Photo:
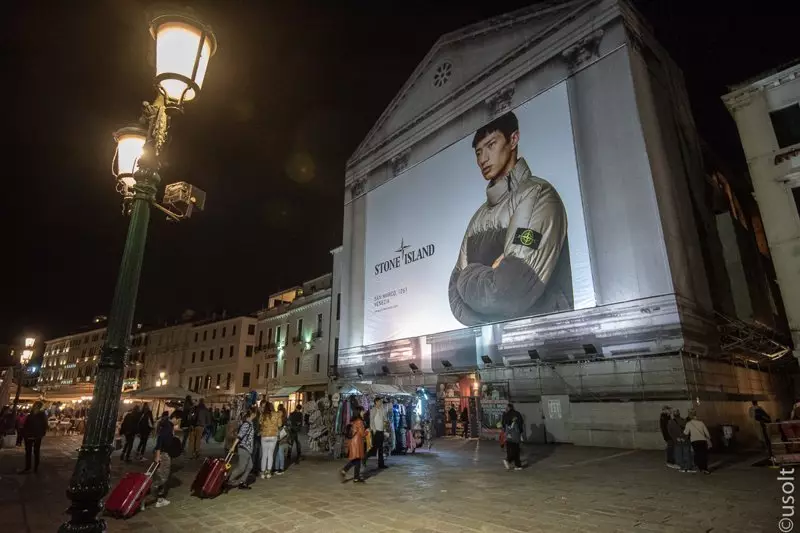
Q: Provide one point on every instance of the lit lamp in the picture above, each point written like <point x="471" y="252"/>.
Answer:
<point x="162" y="381"/>
<point x="183" y="47"/>
<point x="25" y="357"/>
<point x="130" y="145"/>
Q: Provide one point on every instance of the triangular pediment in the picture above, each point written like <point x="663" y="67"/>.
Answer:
<point x="459" y="57"/>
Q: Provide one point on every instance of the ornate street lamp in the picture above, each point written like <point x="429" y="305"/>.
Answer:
<point x="184" y="46"/>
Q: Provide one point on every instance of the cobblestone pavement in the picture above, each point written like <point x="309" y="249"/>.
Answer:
<point x="457" y="486"/>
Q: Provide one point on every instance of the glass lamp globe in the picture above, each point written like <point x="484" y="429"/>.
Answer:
<point x="184" y="46"/>
<point x="130" y="145"/>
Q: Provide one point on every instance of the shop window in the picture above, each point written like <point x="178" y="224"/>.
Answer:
<point x="786" y="125"/>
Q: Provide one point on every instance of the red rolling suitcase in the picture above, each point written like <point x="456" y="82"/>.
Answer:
<point x="128" y="495"/>
<point x="212" y="475"/>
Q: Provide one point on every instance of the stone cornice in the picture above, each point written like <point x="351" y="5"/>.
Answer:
<point x="742" y="95"/>
<point x="272" y="314"/>
<point x="542" y="47"/>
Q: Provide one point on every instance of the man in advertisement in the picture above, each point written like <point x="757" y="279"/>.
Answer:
<point x="514" y="259"/>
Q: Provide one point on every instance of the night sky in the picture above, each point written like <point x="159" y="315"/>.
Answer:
<point x="294" y="84"/>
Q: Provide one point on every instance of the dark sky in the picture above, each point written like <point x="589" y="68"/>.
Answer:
<point x="292" y="82"/>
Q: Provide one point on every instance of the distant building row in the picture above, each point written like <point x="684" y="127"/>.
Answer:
<point x="284" y="350"/>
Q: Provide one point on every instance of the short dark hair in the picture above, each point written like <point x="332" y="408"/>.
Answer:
<point x="505" y="124"/>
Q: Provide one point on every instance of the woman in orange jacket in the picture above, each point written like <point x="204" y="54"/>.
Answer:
<point x="356" y="446"/>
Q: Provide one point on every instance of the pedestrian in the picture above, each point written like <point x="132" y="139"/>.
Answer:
<point x="187" y="416"/>
<point x="144" y="427"/>
<point x="161" y="455"/>
<point x="513" y="426"/>
<point x="270" y="422"/>
<point x="244" y="464"/>
<point x="20" y="424"/>
<point x="295" y="426"/>
<point x="356" y="447"/>
<point x="257" y="452"/>
<point x="465" y="421"/>
<point x="760" y="417"/>
<point x="377" y="425"/>
<point x="284" y="441"/>
<point x="680" y="443"/>
<point x="201" y="419"/>
<point x="128" y="429"/>
<point x="663" y="422"/>
<point x="453" y="419"/>
<point x="700" y="439"/>
<point x="34" y="431"/>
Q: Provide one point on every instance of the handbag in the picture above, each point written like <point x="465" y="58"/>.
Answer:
<point x="282" y="433"/>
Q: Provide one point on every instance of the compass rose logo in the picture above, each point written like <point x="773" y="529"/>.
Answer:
<point x="403" y="247"/>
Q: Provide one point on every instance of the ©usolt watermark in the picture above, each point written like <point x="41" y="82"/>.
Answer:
<point x="786" y="479"/>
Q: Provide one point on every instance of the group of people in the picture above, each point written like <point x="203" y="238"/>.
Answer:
<point x="688" y="440"/>
<point x="265" y="440"/>
<point x="454" y="417"/>
<point x="30" y="429"/>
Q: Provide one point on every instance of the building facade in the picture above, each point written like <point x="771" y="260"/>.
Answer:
<point x="214" y="357"/>
<point x="69" y="363"/>
<point x="767" y="115"/>
<point x="566" y="256"/>
<point x="294" y="343"/>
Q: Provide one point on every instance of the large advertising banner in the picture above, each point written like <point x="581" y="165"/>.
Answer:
<point x="488" y="230"/>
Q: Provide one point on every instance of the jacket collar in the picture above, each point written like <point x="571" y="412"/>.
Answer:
<point x="499" y="188"/>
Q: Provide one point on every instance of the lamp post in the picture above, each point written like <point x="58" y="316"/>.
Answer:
<point x="24" y="358"/>
<point x="184" y="46"/>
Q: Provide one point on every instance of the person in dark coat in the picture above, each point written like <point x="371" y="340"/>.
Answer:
<point x="144" y="427"/>
<point x="128" y="429"/>
<point x="34" y="431"/>
<point x="465" y="421"/>
<point x="453" y="414"/>
<point x="666" y="416"/>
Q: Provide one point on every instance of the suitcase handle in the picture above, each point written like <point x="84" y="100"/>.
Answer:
<point x="229" y="457"/>
<point x="152" y="469"/>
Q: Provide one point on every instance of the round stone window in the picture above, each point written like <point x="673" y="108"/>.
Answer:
<point x="442" y="74"/>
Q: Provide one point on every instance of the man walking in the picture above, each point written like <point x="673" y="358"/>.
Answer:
<point x="512" y="425"/>
<point x="295" y="425"/>
<point x="453" y="419"/>
<point x="377" y="423"/>
<point x="761" y="418"/>
<point x="187" y="414"/>
<point x="666" y="415"/>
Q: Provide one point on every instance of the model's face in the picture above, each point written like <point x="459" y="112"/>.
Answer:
<point x="496" y="155"/>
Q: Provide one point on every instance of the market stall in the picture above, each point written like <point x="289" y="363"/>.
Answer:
<point x="407" y="415"/>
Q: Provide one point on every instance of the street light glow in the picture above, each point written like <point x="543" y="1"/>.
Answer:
<point x="29" y="342"/>
<point x="183" y="49"/>
<point x="26" y="356"/>
<point x="130" y="145"/>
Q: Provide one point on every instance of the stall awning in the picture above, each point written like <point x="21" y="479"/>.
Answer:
<point x="283" y="392"/>
<point x="377" y="389"/>
<point x="170" y="392"/>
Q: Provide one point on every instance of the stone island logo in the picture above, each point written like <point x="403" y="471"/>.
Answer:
<point x="527" y="237"/>
<point x="406" y="255"/>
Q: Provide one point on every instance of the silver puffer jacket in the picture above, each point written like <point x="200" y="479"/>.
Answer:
<point x="524" y="221"/>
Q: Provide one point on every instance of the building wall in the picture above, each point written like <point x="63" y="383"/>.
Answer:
<point x="774" y="172"/>
<point x="302" y="357"/>
<point x="71" y="360"/>
<point x="216" y="349"/>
